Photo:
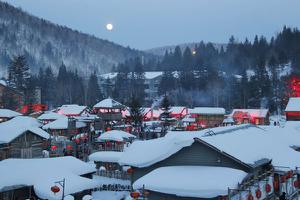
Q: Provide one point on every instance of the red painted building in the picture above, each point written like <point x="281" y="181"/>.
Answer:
<point x="292" y="110"/>
<point x="253" y="116"/>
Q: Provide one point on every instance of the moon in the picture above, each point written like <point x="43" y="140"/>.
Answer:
<point x="109" y="26"/>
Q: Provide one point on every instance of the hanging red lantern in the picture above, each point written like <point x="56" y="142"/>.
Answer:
<point x="283" y="179"/>
<point x="77" y="141"/>
<point x="289" y="174"/>
<point x="268" y="188"/>
<point x="130" y="170"/>
<point x="69" y="147"/>
<point x="108" y="129"/>
<point x="135" y="195"/>
<point x="276" y="184"/>
<point x="108" y="143"/>
<point x="53" y="148"/>
<point x="55" y="189"/>
<point x="250" y="197"/>
<point x="258" y="193"/>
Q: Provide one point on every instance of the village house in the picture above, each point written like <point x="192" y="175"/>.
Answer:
<point x="36" y="178"/>
<point x="6" y="114"/>
<point x="292" y="110"/>
<point x="178" y="112"/>
<point x="48" y="117"/>
<point x="18" y="97"/>
<point x="22" y="137"/>
<point x="220" y="155"/>
<point x="253" y="116"/>
<point x="72" y="110"/>
<point x="109" y="110"/>
<point x="206" y="117"/>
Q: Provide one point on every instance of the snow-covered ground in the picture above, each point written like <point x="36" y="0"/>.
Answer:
<point x="109" y="195"/>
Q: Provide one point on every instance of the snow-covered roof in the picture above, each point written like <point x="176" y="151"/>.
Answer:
<point x="71" y="110"/>
<point x="62" y="123"/>
<point x="177" y="109"/>
<point x="106" y="156"/>
<point x="191" y="181"/>
<point x="148" y="75"/>
<point x="261" y="113"/>
<point x="6" y="113"/>
<point x="15" y="127"/>
<point x="270" y="142"/>
<point x="44" y="172"/>
<point x="207" y="110"/>
<point x="293" y="105"/>
<point x="115" y="135"/>
<point x="109" y="103"/>
<point x="50" y="116"/>
<point x="3" y="82"/>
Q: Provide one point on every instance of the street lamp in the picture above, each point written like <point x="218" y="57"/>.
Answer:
<point x="55" y="189"/>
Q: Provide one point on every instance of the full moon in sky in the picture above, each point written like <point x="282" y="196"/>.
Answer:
<point x="109" y="27"/>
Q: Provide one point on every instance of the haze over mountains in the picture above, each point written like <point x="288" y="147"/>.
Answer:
<point x="46" y="44"/>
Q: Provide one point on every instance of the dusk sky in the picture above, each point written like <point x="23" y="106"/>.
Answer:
<point x="145" y="24"/>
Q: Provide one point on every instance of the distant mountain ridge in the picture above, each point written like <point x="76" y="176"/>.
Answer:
<point x="160" y="51"/>
<point x="47" y="44"/>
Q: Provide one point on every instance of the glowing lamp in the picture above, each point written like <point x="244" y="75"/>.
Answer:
<point x="77" y="141"/>
<point x="258" y="193"/>
<point x="130" y="170"/>
<point x="53" y="148"/>
<point x="135" y="195"/>
<point x="268" y="188"/>
<point x="69" y="147"/>
<point x="55" y="189"/>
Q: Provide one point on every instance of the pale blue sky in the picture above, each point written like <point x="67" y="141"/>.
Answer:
<point x="144" y="24"/>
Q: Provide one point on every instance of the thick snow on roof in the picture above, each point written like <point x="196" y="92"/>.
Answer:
<point x="191" y="181"/>
<point x="148" y="75"/>
<point x="228" y="120"/>
<point x="253" y="144"/>
<point x="262" y="113"/>
<point x="8" y="113"/>
<point x="115" y="135"/>
<point x="244" y="142"/>
<point x="50" y="116"/>
<point x="177" y="109"/>
<point x="109" y="103"/>
<point x="42" y="173"/>
<point x="106" y="156"/>
<point x="207" y="110"/>
<point x="15" y="127"/>
<point x="62" y="123"/>
<point x="293" y="105"/>
<point x="72" y="109"/>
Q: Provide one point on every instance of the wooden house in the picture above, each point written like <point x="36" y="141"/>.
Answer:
<point x="6" y="114"/>
<point x="252" y="116"/>
<point x="72" y="110"/>
<point x="21" y="137"/>
<point x="48" y="117"/>
<point x="109" y="110"/>
<point x="292" y="110"/>
<point x="178" y="112"/>
<point x="206" y="117"/>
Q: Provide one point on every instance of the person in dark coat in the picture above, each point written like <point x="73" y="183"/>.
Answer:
<point x="282" y="196"/>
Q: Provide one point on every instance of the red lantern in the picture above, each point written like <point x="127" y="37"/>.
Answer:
<point x="258" y="193"/>
<point x="53" y="148"/>
<point x="283" y="179"/>
<point x="250" y="197"/>
<point x="77" y="141"/>
<point x="130" y="170"/>
<point x="108" y="129"/>
<point x="55" y="189"/>
<point x="69" y="147"/>
<point x="108" y="143"/>
<point x="296" y="183"/>
<point x="276" y="185"/>
<point x="289" y="174"/>
<point x="135" y="195"/>
<point x="268" y="188"/>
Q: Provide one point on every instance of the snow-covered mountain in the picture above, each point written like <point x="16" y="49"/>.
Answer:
<point x="47" y="44"/>
<point x="160" y="51"/>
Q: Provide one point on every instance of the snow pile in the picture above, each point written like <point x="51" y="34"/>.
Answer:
<point x="62" y="123"/>
<point x="191" y="181"/>
<point x="207" y="111"/>
<point x="50" y="116"/>
<point x="109" y="103"/>
<point x="17" y="126"/>
<point x="109" y="195"/>
<point x="71" y="110"/>
<point x="106" y="156"/>
<point x="43" y="173"/>
<point x="293" y="105"/>
<point x="115" y="135"/>
<point x="6" y="113"/>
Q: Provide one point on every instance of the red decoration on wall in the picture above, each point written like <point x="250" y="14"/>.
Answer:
<point x="258" y="193"/>
<point x="268" y="188"/>
<point x="55" y="189"/>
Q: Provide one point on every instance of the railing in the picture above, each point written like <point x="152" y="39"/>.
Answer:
<point x="114" y="174"/>
<point x="111" y="148"/>
<point x="113" y="187"/>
